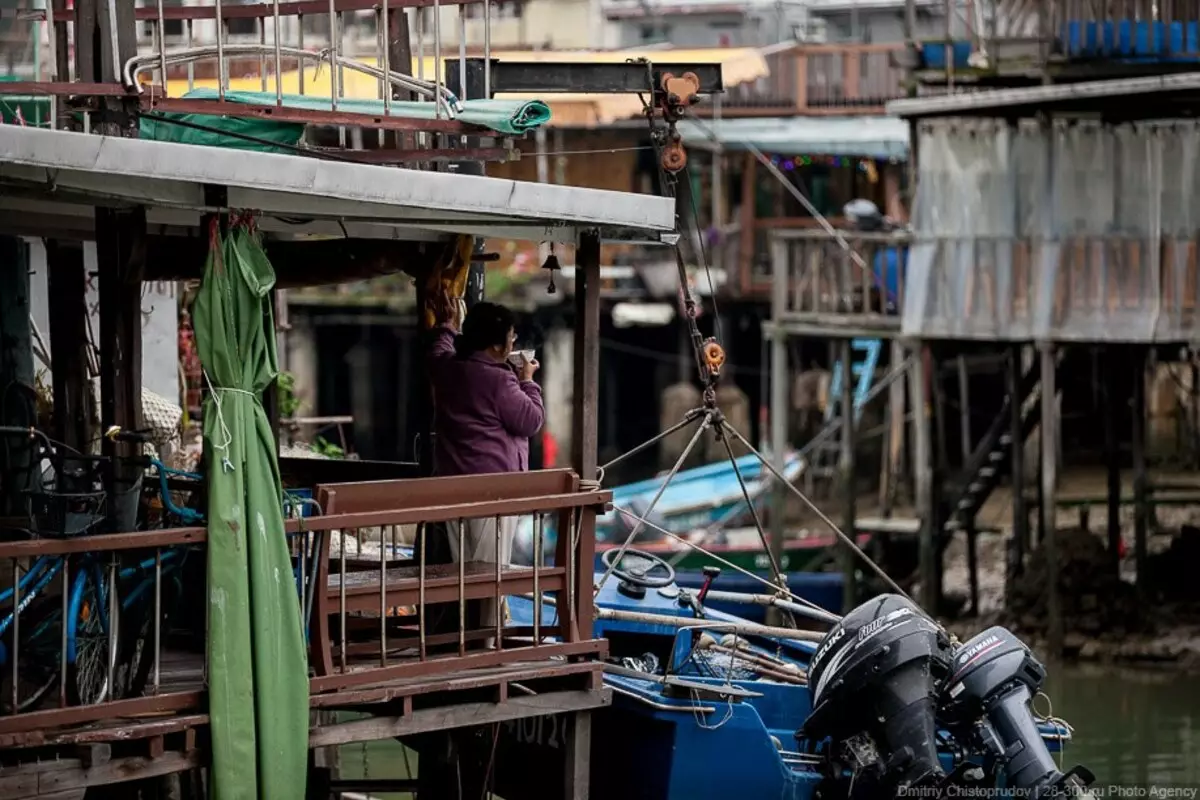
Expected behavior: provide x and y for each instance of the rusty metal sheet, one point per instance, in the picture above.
(66, 88)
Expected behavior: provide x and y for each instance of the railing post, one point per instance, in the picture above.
(851, 72)
(801, 78)
(584, 443)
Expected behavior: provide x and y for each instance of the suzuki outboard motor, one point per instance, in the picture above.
(993, 679)
(875, 680)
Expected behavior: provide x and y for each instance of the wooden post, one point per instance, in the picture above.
(586, 410)
(1020, 510)
(779, 407)
(747, 239)
(1049, 505)
(847, 481)
(1141, 505)
(577, 774)
(16, 372)
(923, 480)
(66, 280)
(893, 459)
(120, 253)
(1112, 456)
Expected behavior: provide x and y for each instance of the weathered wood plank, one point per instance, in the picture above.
(458, 716)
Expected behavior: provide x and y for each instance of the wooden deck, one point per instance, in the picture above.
(62, 763)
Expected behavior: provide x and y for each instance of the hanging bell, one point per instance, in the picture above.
(551, 263)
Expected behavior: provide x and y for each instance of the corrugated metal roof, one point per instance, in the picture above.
(860, 137)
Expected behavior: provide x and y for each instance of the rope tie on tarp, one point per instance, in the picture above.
(223, 448)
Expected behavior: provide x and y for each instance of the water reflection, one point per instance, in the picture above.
(1132, 727)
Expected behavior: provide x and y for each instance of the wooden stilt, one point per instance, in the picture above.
(1020, 534)
(577, 775)
(1112, 456)
(941, 469)
(1049, 506)
(779, 404)
(894, 457)
(923, 480)
(1141, 504)
(847, 478)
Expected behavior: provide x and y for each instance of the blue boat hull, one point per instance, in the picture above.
(654, 745)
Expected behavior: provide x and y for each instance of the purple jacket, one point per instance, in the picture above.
(484, 415)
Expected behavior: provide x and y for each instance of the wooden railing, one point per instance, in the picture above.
(821, 79)
(369, 609)
(815, 279)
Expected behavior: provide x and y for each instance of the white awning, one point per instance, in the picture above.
(383, 202)
(855, 137)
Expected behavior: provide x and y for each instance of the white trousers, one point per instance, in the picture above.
(479, 544)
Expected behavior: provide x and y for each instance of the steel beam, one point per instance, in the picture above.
(560, 77)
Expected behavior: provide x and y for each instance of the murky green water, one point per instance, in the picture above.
(1137, 728)
(1132, 727)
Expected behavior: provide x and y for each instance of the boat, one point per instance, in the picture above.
(697, 502)
(882, 704)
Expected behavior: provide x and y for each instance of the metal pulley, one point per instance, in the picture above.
(714, 357)
(674, 157)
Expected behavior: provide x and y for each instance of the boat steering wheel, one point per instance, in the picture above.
(637, 566)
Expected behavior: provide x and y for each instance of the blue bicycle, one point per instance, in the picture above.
(100, 661)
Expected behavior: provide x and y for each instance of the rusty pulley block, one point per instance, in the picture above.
(674, 157)
(678, 93)
(675, 94)
(714, 357)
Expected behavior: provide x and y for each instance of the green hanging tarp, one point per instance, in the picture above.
(506, 117)
(257, 666)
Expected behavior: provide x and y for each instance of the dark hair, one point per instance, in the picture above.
(487, 325)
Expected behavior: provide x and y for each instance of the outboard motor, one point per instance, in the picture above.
(875, 680)
(986, 699)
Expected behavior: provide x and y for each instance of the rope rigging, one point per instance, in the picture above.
(672, 98)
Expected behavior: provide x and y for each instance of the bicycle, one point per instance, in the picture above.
(296, 504)
(89, 647)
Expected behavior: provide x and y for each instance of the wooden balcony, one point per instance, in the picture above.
(822, 286)
(825, 79)
(389, 633)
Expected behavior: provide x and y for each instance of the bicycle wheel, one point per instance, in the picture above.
(137, 626)
(90, 649)
(38, 657)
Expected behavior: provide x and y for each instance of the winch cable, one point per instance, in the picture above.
(710, 415)
(710, 356)
(861, 263)
(781, 591)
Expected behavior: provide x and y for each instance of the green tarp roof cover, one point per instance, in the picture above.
(505, 117)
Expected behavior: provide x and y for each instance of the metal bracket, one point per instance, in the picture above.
(551, 77)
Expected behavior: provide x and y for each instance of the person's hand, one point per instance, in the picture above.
(528, 368)
(445, 310)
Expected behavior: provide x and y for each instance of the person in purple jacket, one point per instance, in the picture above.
(486, 408)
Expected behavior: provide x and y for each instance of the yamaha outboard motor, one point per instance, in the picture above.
(986, 701)
(875, 680)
